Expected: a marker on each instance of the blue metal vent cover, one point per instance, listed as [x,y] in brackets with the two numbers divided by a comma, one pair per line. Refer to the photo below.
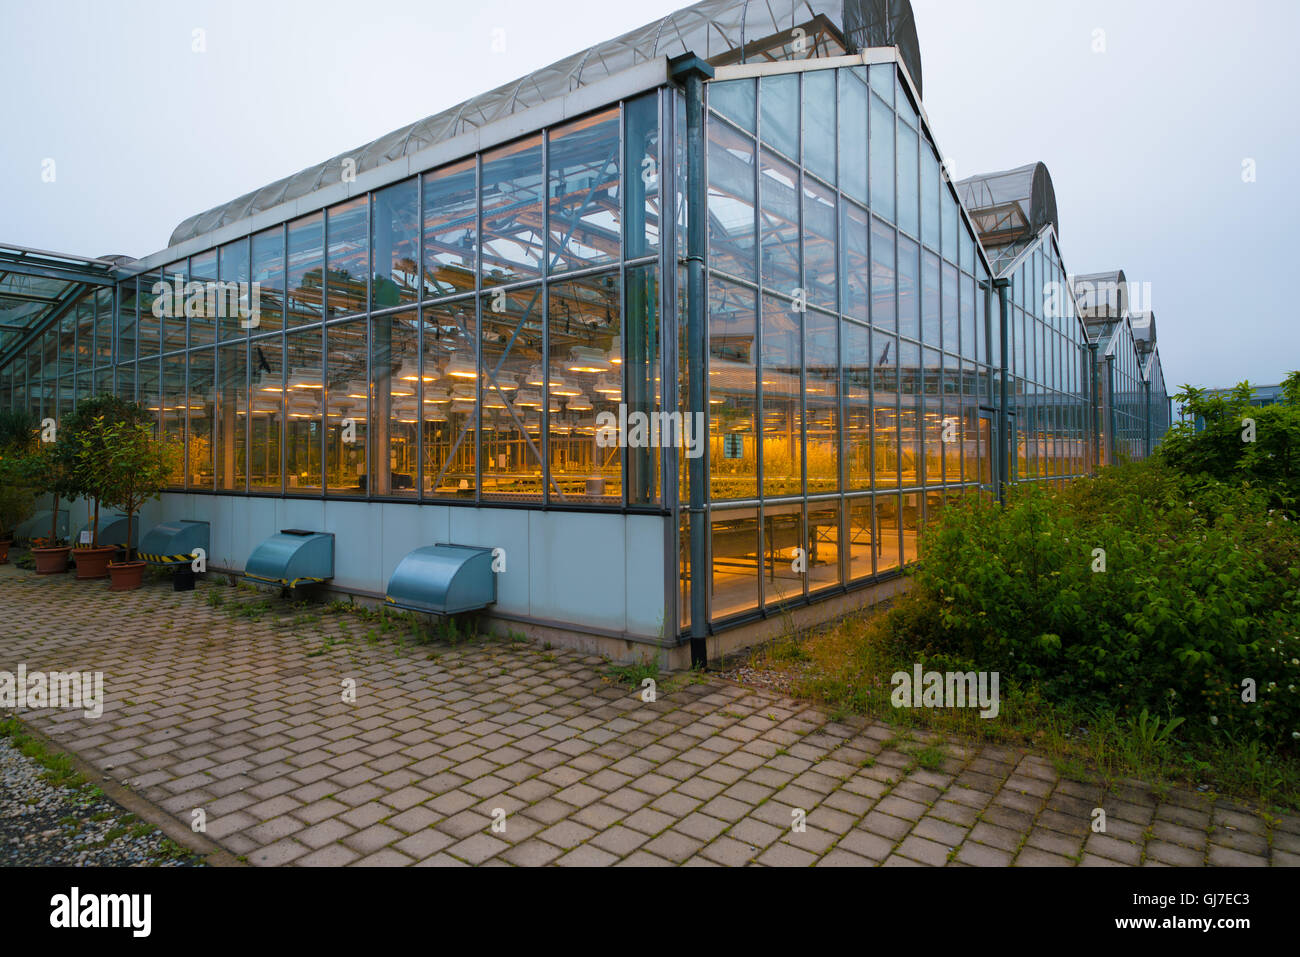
[112,530]
[292,557]
[444,580]
[173,543]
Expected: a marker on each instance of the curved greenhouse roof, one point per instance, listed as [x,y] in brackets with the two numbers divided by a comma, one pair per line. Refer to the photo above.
[722,31]
[1011,206]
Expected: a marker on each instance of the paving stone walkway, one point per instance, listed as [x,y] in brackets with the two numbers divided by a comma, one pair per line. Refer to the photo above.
[245,719]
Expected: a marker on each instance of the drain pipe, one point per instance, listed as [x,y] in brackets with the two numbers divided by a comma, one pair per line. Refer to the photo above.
[692,72]
[1004,417]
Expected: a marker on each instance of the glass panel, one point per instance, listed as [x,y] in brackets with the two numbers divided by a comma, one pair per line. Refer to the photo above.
[395,240]
[822,402]
[734,99]
[450,229]
[268,273]
[642,378]
[173,310]
[642,180]
[887,533]
[585,389]
[206,305]
[857,393]
[733,458]
[449,426]
[126,323]
[884,308]
[778,194]
[149,389]
[230,418]
[302,397]
[585,205]
[908,186]
[150,324]
[951,324]
[735,563]
[862,542]
[512,212]
[855,286]
[783,422]
[514,395]
[779,98]
[882,159]
[930,300]
[819,254]
[174,407]
[306,266]
[929,197]
[395,402]
[911,515]
[783,574]
[853,132]
[234,268]
[910,398]
[819,123]
[909,293]
[949,211]
[345,417]
[201,403]
[348,258]
[266,414]
[823,549]
[731,201]
[885,403]
[882,80]
[932,418]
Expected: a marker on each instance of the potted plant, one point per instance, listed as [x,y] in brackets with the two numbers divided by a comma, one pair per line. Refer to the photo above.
[135,470]
[83,445]
[45,470]
[17,501]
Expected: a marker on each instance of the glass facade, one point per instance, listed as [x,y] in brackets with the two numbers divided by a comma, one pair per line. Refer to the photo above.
[846,361]
[467,334]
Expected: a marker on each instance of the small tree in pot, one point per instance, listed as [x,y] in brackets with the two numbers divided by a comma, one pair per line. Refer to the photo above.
[135,471]
[83,446]
[45,469]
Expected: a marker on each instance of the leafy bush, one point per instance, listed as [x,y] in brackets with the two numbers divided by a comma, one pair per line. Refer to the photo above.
[1266,455]
[1201,590]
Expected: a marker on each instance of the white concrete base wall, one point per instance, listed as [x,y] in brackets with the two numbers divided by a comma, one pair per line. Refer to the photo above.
[591,571]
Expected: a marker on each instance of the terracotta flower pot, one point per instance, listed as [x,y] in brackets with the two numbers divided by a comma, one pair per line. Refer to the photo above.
[4,552]
[52,560]
[93,562]
[126,576]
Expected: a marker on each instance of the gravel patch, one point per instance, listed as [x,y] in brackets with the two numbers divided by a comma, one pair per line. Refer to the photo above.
[43,825]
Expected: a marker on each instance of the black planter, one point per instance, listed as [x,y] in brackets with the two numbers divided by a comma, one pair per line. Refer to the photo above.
[183,579]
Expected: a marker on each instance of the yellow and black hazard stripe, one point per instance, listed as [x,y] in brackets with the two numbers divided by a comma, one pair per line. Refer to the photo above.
[166,559]
[284,582]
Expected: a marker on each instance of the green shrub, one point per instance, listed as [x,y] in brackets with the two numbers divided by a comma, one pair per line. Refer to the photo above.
[1201,590]
[1265,455]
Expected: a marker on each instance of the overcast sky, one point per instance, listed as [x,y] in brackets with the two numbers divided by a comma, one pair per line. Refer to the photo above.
[1145,141]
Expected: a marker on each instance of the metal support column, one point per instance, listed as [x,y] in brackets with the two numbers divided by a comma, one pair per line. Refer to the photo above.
[692,72]
[1004,418]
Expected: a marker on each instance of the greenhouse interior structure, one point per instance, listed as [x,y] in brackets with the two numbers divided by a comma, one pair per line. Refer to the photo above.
[691,328]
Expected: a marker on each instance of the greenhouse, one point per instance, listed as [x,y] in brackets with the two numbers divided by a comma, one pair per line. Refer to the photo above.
[737,216]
